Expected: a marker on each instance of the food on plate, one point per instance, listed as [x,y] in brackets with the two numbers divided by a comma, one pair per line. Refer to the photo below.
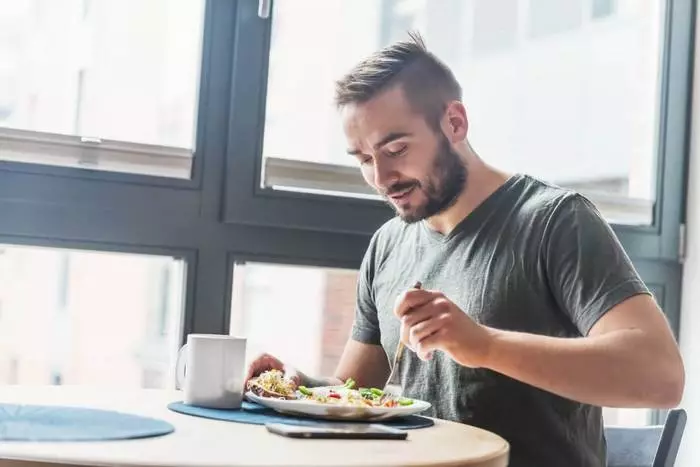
[274,384]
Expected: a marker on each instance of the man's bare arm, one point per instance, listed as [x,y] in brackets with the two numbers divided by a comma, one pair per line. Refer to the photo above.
[629,359]
[367,364]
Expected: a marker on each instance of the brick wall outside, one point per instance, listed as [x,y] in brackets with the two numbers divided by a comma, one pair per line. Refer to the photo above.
[338,314]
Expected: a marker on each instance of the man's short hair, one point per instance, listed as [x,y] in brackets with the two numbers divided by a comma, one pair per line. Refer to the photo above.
[427,82]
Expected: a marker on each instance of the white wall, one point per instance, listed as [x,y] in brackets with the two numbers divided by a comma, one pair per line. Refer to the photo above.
[690,305]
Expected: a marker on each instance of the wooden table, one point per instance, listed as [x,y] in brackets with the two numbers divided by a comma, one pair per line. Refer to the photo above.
[199,442]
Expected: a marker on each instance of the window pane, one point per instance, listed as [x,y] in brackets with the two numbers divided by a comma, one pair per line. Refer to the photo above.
[111,70]
[603,8]
[548,17]
[550,90]
[88,318]
[307,329]
[627,417]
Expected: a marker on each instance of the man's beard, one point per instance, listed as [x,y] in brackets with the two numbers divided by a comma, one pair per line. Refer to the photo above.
[442,187]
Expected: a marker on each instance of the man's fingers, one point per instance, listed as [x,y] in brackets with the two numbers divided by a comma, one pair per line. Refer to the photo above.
[429,344]
[421,313]
[254,370]
[262,363]
[412,299]
[422,330]
[422,336]
[292,375]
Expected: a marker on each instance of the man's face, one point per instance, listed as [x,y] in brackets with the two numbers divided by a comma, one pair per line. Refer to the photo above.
[413,166]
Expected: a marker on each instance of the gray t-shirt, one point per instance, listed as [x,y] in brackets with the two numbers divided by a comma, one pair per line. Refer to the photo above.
[533,258]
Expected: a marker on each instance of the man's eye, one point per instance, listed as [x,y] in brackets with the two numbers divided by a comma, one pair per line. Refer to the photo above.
[398,151]
[366,160]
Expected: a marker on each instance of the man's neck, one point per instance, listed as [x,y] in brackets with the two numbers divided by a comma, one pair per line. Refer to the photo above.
[482,181]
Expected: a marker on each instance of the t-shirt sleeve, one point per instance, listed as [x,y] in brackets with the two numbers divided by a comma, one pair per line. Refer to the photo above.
[365,326]
[588,270]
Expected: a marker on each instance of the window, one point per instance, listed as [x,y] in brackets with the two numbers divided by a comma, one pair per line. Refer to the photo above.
[307,329]
[103,84]
[495,25]
[627,417]
[78,317]
[573,105]
[603,8]
[549,17]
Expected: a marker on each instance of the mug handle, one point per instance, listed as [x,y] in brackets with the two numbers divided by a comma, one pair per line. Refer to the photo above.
[181,367]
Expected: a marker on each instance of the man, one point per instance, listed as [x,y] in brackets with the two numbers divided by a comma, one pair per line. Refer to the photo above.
[531,316]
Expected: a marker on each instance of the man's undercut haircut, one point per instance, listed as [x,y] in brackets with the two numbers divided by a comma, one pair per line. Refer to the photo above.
[428,84]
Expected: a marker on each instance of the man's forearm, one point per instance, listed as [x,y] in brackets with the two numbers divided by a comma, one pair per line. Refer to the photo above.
[312,382]
[619,369]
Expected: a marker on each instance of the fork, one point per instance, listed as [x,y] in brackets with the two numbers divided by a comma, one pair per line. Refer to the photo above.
[394,390]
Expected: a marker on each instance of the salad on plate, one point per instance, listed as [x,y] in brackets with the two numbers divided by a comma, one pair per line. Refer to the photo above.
[273,384]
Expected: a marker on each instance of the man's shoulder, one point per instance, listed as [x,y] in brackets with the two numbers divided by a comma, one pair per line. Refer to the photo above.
[540,193]
[539,198]
[547,207]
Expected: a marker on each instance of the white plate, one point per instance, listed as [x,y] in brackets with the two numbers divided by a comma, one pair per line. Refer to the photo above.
[314,409]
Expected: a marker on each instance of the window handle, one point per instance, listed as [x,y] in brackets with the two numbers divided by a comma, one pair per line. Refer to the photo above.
[264,7]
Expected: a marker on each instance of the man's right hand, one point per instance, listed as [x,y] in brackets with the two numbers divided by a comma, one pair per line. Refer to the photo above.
[266,362]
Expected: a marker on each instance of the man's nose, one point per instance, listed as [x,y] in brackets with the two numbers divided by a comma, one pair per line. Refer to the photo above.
[384,175]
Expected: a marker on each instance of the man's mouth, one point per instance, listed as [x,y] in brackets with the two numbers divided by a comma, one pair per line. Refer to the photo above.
[400,195]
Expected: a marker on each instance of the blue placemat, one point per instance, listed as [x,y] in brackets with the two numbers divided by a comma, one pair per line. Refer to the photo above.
[256,414]
[61,423]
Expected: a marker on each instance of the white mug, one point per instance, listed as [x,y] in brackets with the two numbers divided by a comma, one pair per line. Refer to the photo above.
[210,370]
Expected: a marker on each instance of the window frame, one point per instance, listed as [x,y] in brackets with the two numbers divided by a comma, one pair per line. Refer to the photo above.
[91,151]
[248,203]
[91,148]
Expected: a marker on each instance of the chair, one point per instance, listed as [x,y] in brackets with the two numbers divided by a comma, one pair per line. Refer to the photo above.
[652,446]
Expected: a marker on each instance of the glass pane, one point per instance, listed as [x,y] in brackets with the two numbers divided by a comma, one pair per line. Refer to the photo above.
[121,70]
[551,89]
[627,417]
[310,330]
[603,8]
[88,318]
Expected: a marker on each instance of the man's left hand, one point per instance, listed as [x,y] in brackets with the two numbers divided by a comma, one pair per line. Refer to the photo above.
[430,321]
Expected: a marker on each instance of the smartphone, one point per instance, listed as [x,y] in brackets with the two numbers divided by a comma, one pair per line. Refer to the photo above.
[337,431]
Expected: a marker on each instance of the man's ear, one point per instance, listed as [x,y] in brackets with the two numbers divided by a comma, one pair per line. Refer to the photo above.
[455,123]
